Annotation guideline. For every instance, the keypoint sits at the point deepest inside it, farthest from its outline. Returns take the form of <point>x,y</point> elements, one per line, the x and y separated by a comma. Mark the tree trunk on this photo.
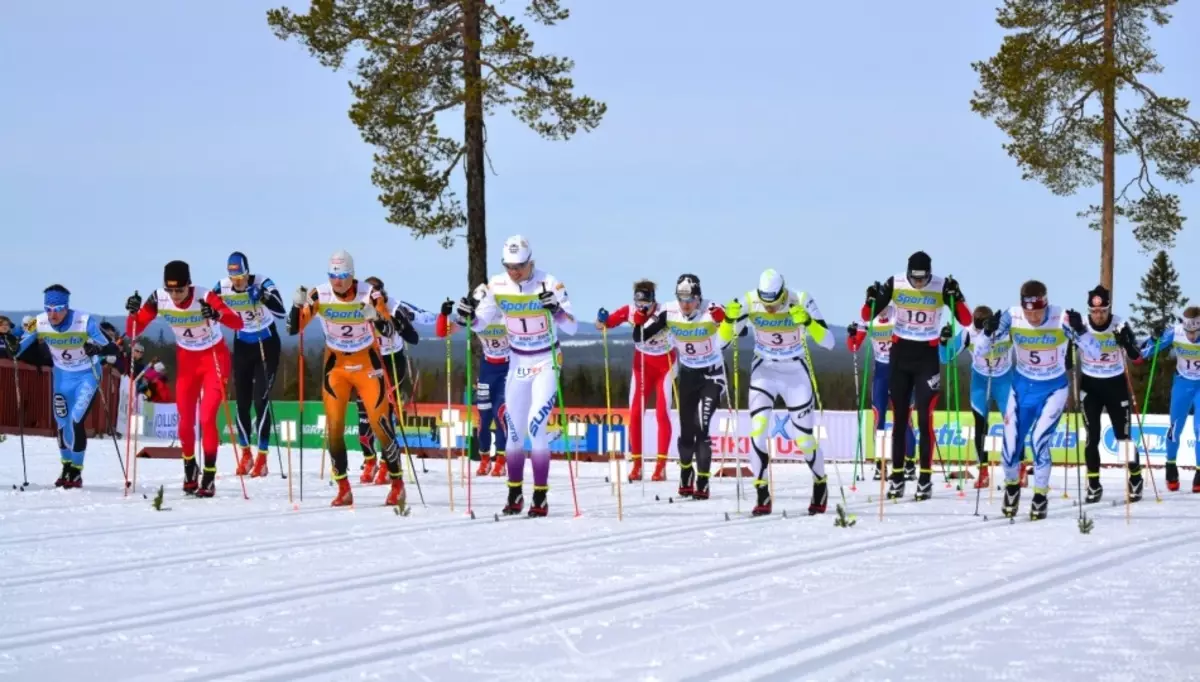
<point>473,137</point>
<point>1107,217</point>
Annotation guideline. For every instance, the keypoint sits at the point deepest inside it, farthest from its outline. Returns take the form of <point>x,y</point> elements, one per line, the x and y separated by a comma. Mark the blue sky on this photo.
<point>826,140</point>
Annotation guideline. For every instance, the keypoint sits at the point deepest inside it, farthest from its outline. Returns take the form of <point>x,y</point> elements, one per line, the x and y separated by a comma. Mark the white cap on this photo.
<point>516,251</point>
<point>341,263</point>
<point>771,286</point>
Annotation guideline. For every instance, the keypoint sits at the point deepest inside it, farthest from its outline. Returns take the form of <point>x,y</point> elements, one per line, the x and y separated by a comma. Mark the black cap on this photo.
<point>920,264</point>
<point>1100,297</point>
<point>177,274</point>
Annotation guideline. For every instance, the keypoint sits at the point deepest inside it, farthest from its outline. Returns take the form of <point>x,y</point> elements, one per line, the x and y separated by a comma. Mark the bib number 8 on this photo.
<point>698,347</point>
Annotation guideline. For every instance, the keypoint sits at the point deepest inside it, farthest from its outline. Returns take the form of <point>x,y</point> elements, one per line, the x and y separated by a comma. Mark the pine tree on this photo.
<point>1053,88</point>
<point>1160,299</point>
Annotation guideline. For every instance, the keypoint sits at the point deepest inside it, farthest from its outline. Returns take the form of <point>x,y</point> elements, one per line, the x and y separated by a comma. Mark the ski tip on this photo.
<point>726,516</point>
<point>472,513</point>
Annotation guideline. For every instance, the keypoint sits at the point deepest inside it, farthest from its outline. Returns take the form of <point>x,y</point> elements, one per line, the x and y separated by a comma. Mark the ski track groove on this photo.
<point>802,658</point>
<point>432,568</point>
<point>376,650</point>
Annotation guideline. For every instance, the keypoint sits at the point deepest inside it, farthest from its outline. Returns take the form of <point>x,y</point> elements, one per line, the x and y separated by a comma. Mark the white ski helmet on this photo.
<point>771,286</point>
<point>341,265</point>
<point>516,251</point>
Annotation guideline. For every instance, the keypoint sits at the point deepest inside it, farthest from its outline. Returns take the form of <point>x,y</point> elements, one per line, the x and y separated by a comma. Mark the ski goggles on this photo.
<point>340,275</point>
<point>60,308</point>
<point>1033,302</point>
<point>919,277</point>
<point>176,290</point>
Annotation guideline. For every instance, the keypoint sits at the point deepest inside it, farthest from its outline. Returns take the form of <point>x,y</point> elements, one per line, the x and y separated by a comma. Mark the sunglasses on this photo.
<point>175,290</point>
<point>340,275</point>
<point>56,308</point>
<point>515,268</point>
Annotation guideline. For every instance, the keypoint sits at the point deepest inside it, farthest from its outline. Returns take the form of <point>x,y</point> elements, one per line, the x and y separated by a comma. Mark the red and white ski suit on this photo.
<point>653,370</point>
<point>202,360</point>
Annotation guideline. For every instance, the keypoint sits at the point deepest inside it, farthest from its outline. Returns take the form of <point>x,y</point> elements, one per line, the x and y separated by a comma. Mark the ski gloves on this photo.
<point>549,302</point>
<point>133,303</point>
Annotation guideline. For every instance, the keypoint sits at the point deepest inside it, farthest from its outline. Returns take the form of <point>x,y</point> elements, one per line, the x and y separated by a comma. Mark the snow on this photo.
<point>94,586</point>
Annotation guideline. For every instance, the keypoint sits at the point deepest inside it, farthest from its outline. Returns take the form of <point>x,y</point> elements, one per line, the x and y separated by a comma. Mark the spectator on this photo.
<point>154,385</point>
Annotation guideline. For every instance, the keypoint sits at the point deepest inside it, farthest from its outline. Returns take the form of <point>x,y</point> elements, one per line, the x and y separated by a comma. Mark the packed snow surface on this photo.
<point>98,586</point>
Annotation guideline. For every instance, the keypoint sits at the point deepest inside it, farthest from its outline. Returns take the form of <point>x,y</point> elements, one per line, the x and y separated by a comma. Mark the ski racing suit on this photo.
<point>396,366</point>
<point>256,348</point>
<point>1185,392</point>
<point>781,371</point>
<point>352,364</point>
<point>73,345</point>
<point>1039,390</point>
<point>702,382</point>
<point>202,363</point>
<point>489,387</point>
<point>915,363</point>
<point>1104,387</point>
<point>531,386</point>
<point>881,350</point>
<point>653,372</point>
<point>991,383</point>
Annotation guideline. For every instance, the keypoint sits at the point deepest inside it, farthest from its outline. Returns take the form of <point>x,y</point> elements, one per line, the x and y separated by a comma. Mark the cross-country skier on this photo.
<point>991,381</point>
<point>352,313</point>
<point>256,349</point>
<point>77,346</point>
<point>1184,339</point>
<point>489,387</point>
<point>534,308</point>
<point>653,372</point>
<point>881,345</point>
<point>202,362</point>
<point>1105,388</point>
<point>694,326</point>
<point>396,365</point>
<point>917,297</point>
<point>782,321</point>
<point>1040,334</point>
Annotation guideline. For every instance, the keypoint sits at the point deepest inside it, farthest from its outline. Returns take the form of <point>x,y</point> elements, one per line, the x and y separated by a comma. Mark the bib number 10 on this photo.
<point>917,316</point>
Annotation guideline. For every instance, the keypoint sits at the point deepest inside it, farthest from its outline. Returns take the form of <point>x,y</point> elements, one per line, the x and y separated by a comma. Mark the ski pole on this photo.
<point>300,416</point>
<point>128,410</point>
<point>107,419</point>
<point>858,441</point>
<point>987,413</point>
<point>262,353</point>
<point>469,408</point>
<point>558,388</point>
<point>737,457</point>
<point>21,426</point>
<point>812,377</point>
<point>228,416</point>
<point>1075,391</point>
<point>449,432</point>
<point>1141,434</point>
<point>608,424</point>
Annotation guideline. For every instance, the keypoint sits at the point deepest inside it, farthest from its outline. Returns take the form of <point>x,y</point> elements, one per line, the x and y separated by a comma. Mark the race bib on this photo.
<point>778,339</point>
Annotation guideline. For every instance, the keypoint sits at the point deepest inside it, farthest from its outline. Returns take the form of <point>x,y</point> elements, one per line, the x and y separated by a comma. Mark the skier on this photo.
<point>256,348</point>
<point>991,381</point>
<point>534,308</point>
<point>782,321</point>
<point>1105,387</point>
<point>1040,334</point>
<point>489,387</point>
<point>202,362</point>
<point>396,365</point>
<point>353,313</point>
<point>881,342</point>
<point>77,346</point>
<point>693,324</point>
<point>917,297</point>
<point>653,364</point>
<point>1184,339</point>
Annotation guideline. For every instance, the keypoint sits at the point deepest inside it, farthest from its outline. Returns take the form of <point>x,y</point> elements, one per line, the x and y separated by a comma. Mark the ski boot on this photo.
<point>516,500</point>
<point>244,462</point>
<point>498,468</point>
<point>686,476</point>
<point>344,497</point>
<point>74,478</point>
<point>1037,510</point>
<point>660,469</point>
<point>924,485</point>
<point>878,470</point>
<point>1196,479</point>
<point>484,461</point>
<point>397,495</point>
<point>820,497</point>
<point>260,465</point>
<point>1024,476</point>
<point>635,473</point>
<point>1094,491</point>
<point>910,469</point>
<point>62,477</point>
<point>1012,498</point>
<point>1135,483</point>
<point>701,491</point>
<point>763,507</point>
<point>191,476</point>
<point>895,489</point>
<point>985,478</point>
<point>1172,476</point>
<point>368,471</point>
<point>381,473</point>
<point>208,483</point>
<point>539,507</point>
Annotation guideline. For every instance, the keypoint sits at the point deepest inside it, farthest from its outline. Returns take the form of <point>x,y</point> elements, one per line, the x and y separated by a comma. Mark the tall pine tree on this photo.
<point>1160,299</point>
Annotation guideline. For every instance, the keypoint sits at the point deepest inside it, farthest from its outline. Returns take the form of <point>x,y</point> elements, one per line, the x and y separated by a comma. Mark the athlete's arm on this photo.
<point>817,328</point>
<point>143,317</point>
<point>226,315</point>
<point>617,317</point>
<point>271,298</point>
<point>881,295</point>
<point>1154,345</point>
<point>304,308</point>
<point>648,327</point>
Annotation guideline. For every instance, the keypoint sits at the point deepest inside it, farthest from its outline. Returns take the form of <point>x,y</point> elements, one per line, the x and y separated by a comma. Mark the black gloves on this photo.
<point>133,303</point>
